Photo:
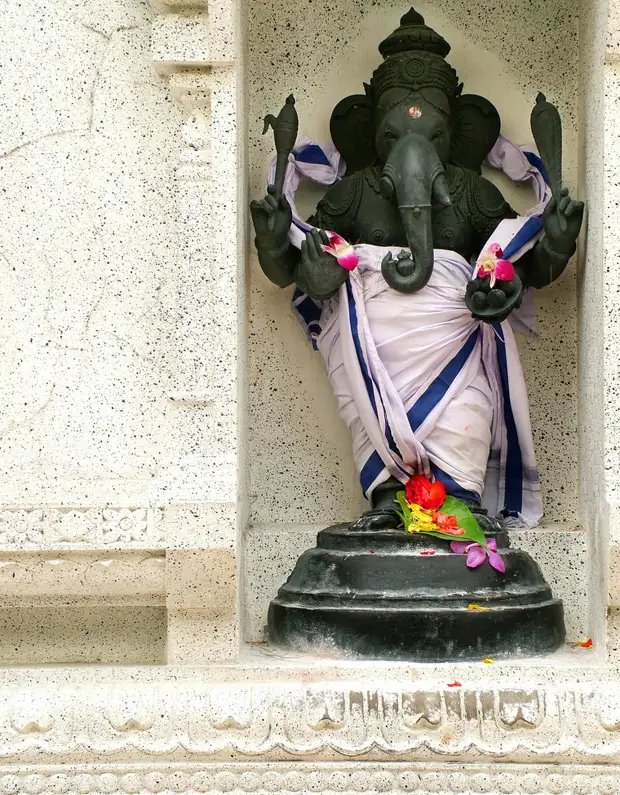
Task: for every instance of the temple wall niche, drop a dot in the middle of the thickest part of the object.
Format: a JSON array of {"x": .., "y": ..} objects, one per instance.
[{"x": 322, "y": 52}]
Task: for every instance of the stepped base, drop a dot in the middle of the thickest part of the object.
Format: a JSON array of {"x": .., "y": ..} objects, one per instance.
[{"x": 376, "y": 595}]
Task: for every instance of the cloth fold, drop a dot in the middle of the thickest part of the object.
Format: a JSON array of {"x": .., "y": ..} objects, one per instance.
[{"x": 423, "y": 386}]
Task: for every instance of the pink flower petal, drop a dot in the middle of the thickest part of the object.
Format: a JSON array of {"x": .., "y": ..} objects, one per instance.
[
  {"x": 349, "y": 261},
  {"x": 336, "y": 239},
  {"x": 481, "y": 272},
  {"x": 496, "y": 249},
  {"x": 492, "y": 544},
  {"x": 504, "y": 270},
  {"x": 460, "y": 547},
  {"x": 329, "y": 250},
  {"x": 497, "y": 562},
  {"x": 476, "y": 556}
]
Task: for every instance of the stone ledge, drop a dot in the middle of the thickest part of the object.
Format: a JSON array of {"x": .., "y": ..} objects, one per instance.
[
  {"x": 116, "y": 720},
  {"x": 82, "y": 578},
  {"x": 448, "y": 779}
]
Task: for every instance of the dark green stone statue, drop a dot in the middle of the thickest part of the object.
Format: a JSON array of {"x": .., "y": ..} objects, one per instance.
[{"x": 414, "y": 324}]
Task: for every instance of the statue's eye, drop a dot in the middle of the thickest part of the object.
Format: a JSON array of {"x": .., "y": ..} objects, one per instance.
[
  {"x": 437, "y": 134},
  {"x": 389, "y": 135}
]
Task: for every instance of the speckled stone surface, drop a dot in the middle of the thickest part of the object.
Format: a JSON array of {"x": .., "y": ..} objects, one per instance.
[
  {"x": 88, "y": 143},
  {"x": 70, "y": 635},
  {"x": 500, "y": 50}
]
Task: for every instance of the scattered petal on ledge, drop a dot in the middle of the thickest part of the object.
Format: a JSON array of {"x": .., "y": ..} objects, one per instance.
[
  {"x": 488, "y": 660},
  {"x": 585, "y": 644},
  {"x": 476, "y": 607},
  {"x": 454, "y": 684}
]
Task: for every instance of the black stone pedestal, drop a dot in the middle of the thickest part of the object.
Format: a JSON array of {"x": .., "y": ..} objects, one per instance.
[{"x": 375, "y": 595}]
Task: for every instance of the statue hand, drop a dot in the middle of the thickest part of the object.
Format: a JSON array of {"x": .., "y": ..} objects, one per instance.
[
  {"x": 493, "y": 305},
  {"x": 320, "y": 275},
  {"x": 272, "y": 219},
  {"x": 562, "y": 222}
]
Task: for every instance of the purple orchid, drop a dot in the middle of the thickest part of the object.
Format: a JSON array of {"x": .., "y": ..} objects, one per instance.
[{"x": 477, "y": 554}]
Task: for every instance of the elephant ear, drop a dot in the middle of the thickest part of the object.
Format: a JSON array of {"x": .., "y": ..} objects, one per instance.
[
  {"x": 476, "y": 126},
  {"x": 353, "y": 133}
]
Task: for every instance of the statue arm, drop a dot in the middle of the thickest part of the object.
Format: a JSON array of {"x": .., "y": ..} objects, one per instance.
[
  {"x": 272, "y": 220},
  {"x": 278, "y": 263},
  {"x": 542, "y": 265},
  {"x": 314, "y": 271},
  {"x": 546, "y": 261},
  {"x": 562, "y": 223}
]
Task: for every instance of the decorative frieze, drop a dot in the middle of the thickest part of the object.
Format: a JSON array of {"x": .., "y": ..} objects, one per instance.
[
  {"x": 169, "y": 722},
  {"x": 42, "y": 528},
  {"x": 447, "y": 779}
]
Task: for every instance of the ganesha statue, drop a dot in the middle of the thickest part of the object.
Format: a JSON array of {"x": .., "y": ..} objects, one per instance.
[{"x": 411, "y": 278}]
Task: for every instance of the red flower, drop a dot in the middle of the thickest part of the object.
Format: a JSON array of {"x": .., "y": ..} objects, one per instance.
[
  {"x": 445, "y": 521},
  {"x": 420, "y": 491}
]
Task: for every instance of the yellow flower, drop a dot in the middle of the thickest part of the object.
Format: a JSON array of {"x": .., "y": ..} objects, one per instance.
[
  {"x": 422, "y": 520},
  {"x": 486, "y": 262}
]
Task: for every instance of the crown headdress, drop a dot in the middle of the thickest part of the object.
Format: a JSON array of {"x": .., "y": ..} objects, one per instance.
[{"x": 414, "y": 58}]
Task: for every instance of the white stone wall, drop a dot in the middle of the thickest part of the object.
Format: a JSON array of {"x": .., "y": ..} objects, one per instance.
[{"x": 122, "y": 255}]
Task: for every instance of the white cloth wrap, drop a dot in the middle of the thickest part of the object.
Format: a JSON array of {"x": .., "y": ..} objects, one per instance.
[
  {"x": 445, "y": 389},
  {"x": 422, "y": 386}
]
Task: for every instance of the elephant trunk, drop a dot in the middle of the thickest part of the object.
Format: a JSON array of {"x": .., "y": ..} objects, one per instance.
[{"x": 414, "y": 176}]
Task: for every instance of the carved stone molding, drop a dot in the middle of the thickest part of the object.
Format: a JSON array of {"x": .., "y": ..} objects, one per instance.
[
  {"x": 169, "y": 722},
  {"x": 207, "y": 524},
  {"x": 447, "y": 779},
  {"x": 44, "y": 528},
  {"x": 129, "y": 578}
]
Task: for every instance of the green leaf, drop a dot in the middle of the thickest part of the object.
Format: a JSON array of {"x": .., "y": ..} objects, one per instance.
[
  {"x": 402, "y": 501},
  {"x": 466, "y": 520}
]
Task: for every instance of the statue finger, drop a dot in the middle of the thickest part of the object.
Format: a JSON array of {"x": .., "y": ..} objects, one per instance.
[
  {"x": 266, "y": 207},
  {"x": 271, "y": 201},
  {"x": 271, "y": 189},
  {"x": 564, "y": 202},
  {"x": 313, "y": 252},
  {"x": 573, "y": 208},
  {"x": 316, "y": 236},
  {"x": 304, "y": 252},
  {"x": 551, "y": 206},
  {"x": 564, "y": 192},
  {"x": 324, "y": 237}
]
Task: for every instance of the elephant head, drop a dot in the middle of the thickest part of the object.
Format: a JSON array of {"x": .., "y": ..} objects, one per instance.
[{"x": 411, "y": 121}]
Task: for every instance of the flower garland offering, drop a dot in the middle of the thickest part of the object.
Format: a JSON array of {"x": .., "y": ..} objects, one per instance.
[
  {"x": 426, "y": 508},
  {"x": 492, "y": 263}
]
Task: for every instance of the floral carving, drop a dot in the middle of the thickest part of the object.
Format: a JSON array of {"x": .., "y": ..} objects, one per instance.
[
  {"x": 73, "y": 525},
  {"x": 21, "y": 527},
  {"x": 27, "y": 528},
  {"x": 124, "y": 524}
]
